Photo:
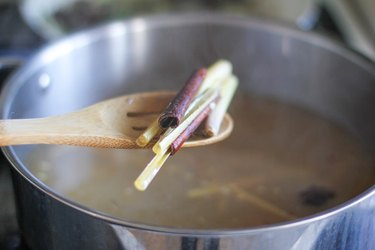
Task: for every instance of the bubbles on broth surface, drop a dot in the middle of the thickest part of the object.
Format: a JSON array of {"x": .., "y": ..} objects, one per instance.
[{"x": 280, "y": 163}]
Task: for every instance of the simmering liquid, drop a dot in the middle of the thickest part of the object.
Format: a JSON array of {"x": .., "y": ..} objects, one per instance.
[{"x": 280, "y": 163}]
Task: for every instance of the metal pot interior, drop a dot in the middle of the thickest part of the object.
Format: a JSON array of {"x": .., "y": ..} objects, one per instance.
[{"x": 271, "y": 61}]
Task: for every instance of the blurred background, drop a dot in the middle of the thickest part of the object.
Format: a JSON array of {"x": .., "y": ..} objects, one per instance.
[{"x": 26, "y": 26}]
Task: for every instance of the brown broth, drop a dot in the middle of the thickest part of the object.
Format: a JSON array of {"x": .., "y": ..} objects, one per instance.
[{"x": 280, "y": 163}]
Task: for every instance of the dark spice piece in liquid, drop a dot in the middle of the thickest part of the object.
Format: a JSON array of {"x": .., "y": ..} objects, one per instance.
[{"x": 316, "y": 196}]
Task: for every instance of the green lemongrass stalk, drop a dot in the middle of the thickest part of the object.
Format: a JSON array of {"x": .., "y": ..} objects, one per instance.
[
  {"x": 149, "y": 134},
  {"x": 150, "y": 171},
  {"x": 194, "y": 103},
  {"x": 166, "y": 140},
  {"x": 214, "y": 119},
  {"x": 215, "y": 74}
]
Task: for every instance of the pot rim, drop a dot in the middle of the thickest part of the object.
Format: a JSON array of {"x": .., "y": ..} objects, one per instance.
[{"x": 142, "y": 24}]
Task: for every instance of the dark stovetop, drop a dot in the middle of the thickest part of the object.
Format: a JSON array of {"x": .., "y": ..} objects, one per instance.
[
  {"x": 8, "y": 225},
  {"x": 14, "y": 33},
  {"x": 16, "y": 39}
]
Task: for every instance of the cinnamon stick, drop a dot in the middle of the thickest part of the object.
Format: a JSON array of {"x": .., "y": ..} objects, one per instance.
[
  {"x": 184, "y": 136},
  {"x": 171, "y": 135},
  {"x": 176, "y": 109}
]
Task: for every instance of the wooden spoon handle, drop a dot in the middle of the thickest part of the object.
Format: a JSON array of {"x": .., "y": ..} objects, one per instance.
[
  {"x": 58, "y": 130},
  {"x": 35, "y": 131}
]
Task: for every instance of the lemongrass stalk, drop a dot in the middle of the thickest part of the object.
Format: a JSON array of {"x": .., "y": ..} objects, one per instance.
[
  {"x": 245, "y": 195},
  {"x": 149, "y": 134},
  {"x": 152, "y": 168},
  {"x": 215, "y": 118},
  {"x": 216, "y": 73},
  {"x": 166, "y": 140},
  {"x": 195, "y": 102},
  {"x": 156, "y": 146}
]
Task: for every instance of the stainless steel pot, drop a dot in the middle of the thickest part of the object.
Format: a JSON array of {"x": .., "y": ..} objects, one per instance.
[{"x": 143, "y": 54}]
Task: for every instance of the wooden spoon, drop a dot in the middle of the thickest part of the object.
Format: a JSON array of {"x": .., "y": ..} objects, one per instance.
[{"x": 114, "y": 123}]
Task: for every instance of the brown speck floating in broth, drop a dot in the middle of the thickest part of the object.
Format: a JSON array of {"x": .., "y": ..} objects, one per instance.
[{"x": 316, "y": 196}]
